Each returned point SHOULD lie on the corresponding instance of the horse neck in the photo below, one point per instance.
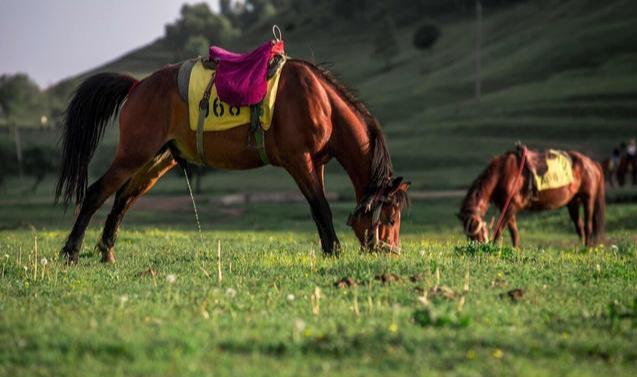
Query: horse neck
(354, 150)
(479, 195)
(357, 141)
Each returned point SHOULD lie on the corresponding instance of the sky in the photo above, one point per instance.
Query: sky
(53, 39)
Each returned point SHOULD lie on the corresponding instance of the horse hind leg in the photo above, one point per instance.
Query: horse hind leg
(97, 193)
(140, 183)
(127, 161)
(574, 212)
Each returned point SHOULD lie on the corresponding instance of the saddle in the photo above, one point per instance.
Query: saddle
(241, 79)
(238, 80)
(548, 170)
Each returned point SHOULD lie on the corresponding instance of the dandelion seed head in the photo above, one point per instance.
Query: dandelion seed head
(44, 261)
(171, 278)
(299, 324)
(291, 297)
(231, 292)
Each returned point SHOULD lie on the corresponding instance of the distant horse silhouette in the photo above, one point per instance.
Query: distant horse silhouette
(497, 183)
(627, 166)
(617, 172)
(316, 119)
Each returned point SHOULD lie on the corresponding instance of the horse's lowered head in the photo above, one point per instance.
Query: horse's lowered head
(376, 218)
(475, 228)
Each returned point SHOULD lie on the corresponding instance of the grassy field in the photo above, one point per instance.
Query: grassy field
(556, 74)
(277, 311)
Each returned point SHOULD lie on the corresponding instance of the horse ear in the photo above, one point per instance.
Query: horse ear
(396, 182)
(404, 186)
(398, 185)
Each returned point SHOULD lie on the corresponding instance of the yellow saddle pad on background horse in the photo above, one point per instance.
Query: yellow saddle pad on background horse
(222, 116)
(559, 171)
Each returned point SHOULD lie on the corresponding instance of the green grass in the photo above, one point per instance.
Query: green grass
(577, 315)
(556, 74)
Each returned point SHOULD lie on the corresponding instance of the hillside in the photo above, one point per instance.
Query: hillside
(555, 74)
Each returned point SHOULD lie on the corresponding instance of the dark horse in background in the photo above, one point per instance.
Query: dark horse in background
(617, 172)
(498, 182)
(316, 119)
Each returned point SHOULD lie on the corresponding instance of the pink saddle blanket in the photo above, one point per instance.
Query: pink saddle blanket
(241, 79)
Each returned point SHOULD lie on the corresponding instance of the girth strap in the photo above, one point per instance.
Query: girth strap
(258, 132)
(204, 109)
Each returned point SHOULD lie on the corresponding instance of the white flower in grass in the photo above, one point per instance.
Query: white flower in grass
(299, 325)
(44, 261)
(291, 297)
(614, 248)
(231, 292)
(171, 278)
(123, 299)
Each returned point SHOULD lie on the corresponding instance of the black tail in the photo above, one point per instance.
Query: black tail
(600, 208)
(90, 110)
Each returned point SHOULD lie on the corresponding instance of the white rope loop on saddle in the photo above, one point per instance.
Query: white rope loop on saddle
(278, 35)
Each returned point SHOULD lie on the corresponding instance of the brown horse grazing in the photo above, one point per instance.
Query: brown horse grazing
(497, 183)
(316, 119)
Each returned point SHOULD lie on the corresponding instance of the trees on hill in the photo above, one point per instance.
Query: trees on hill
(426, 36)
(20, 98)
(198, 21)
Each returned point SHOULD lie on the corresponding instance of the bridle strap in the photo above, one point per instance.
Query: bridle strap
(481, 224)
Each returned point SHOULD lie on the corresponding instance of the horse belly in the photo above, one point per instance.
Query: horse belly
(551, 199)
(222, 149)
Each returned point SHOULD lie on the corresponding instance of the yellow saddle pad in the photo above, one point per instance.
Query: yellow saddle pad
(222, 116)
(559, 171)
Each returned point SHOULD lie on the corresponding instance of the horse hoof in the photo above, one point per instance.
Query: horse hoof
(107, 252)
(69, 256)
(71, 259)
(108, 257)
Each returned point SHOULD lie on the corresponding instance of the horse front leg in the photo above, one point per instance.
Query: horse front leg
(505, 220)
(309, 178)
(574, 213)
(513, 230)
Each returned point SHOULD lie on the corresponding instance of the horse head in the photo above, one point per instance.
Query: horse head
(376, 218)
(475, 228)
